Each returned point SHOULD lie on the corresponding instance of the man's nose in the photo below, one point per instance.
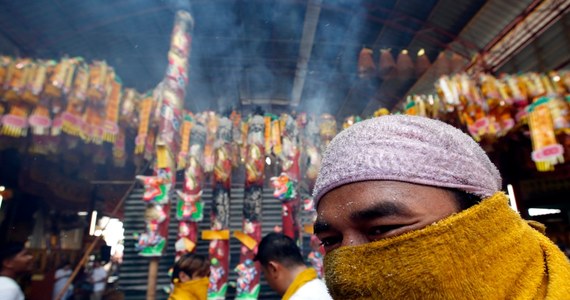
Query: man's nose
(353, 239)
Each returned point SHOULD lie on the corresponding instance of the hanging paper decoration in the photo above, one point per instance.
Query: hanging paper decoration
(422, 63)
(219, 248)
(5, 63)
(119, 152)
(144, 121)
(190, 208)
(15, 121)
(441, 65)
(72, 121)
(128, 115)
(251, 225)
(387, 65)
(101, 80)
(185, 140)
(457, 63)
(111, 121)
(546, 151)
(212, 128)
(366, 66)
(404, 65)
(40, 120)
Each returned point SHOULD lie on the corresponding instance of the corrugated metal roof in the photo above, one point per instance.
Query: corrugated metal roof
(549, 51)
(489, 21)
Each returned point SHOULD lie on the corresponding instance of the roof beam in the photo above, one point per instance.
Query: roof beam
(532, 22)
(307, 41)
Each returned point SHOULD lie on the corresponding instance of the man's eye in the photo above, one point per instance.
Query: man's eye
(378, 232)
(330, 242)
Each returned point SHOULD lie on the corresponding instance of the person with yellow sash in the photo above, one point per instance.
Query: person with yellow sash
(411, 208)
(190, 276)
(285, 271)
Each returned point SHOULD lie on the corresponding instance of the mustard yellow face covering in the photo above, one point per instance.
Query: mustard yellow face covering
(484, 252)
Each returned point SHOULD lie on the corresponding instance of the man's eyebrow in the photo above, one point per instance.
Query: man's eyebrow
(380, 210)
(320, 226)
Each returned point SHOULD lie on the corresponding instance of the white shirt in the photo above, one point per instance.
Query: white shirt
(61, 277)
(9, 289)
(98, 276)
(312, 290)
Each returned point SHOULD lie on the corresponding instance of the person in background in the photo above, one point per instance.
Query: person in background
(411, 208)
(98, 278)
(15, 261)
(61, 276)
(285, 270)
(190, 278)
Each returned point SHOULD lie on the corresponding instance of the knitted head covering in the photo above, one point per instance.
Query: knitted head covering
(408, 149)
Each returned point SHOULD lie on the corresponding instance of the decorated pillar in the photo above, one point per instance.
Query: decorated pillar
(248, 272)
(312, 163)
(190, 208)
(286, 185)
(158, 188)
(219, 249)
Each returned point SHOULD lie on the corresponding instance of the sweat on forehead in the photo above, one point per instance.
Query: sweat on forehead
(408, 149)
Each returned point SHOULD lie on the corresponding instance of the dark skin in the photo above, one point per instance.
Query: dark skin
(17, 265)
(279, 276)
(363, 212)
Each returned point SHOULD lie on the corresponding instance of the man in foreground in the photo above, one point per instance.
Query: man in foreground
(411, 208)
(15, 261)
(285, 270)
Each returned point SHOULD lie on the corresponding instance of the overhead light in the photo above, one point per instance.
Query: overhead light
(2, 188)
(93, 222)
(82, 213)
(556, 78)
(512, 199)
(405, 51)
(542, 211)
(421, 52)
(268, 161)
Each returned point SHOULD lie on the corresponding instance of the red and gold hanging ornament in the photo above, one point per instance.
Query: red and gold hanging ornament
(128, 117)
(547, 152)
(186, 130)
(145, 110)
(72, 118)
(111, 122)
(15, 121)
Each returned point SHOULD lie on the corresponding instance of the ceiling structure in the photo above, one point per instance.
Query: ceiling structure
(281, 55)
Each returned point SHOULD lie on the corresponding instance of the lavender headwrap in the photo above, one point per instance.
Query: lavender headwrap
(408, 149)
